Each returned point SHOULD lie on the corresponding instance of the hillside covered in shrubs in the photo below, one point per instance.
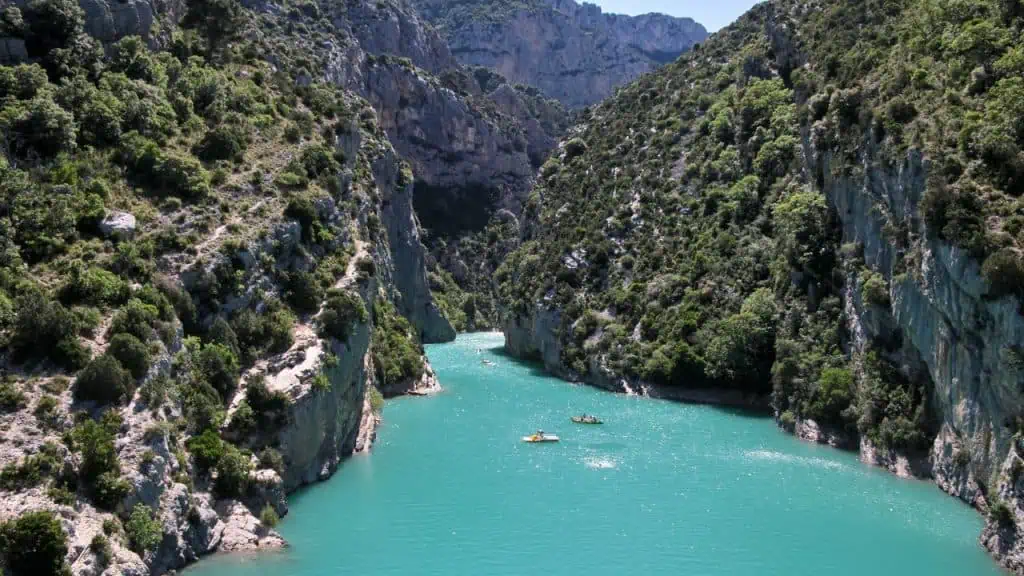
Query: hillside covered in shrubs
(820, 205)
(193, 223)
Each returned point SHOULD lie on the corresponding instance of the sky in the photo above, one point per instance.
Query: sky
(712, 14)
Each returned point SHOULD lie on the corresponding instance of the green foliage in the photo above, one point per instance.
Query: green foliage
(100, 469)
(43, 326)
(105, 381)
(342, 309)
(100, 547)
(34, 543)
(1000, 513)
(232, 479)
(219, 366)
(874, 290)
(376, 399)
(143, 530)
(1004, 272)
(268, 516)
(397, 354)
(206, 449)
(131, 353)
(96, 287)
(12, 398)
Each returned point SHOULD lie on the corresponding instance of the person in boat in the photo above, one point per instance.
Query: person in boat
(539, 434)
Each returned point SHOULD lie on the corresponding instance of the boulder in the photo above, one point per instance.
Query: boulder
(118, 225)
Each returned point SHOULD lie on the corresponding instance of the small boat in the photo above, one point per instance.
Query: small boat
(586, 419)
(487, 362)
(539, 437)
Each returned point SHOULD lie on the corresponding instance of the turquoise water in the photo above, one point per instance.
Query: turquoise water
(660, 488)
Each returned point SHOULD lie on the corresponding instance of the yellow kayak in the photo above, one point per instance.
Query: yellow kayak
(537, 438)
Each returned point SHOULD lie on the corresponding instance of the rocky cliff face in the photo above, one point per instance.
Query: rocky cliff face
(572, 52)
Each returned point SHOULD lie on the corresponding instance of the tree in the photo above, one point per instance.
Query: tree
(143, 530)
(131, 353)
(52, 24)
(34, 543)
(218, 20)
(104, 380)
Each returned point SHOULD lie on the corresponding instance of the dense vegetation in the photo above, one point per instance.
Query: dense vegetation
(683, 234)
(215, 152)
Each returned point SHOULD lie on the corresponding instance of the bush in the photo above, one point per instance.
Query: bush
(39, 127)
(34, 543)
(105, 381)
(131, 353)
(11, 398)
(45, 327)
(100, 547)
(136, 318)
(1004, 272)
(1001, 514)
(304, 292)
(272, 459)
(219, 366)
(268, 516)
(100, 469)
(96, 287)
(269, 408)
(342, 309)
(226, 141)
(143, 530)
(376, 399)
(232, 473)
(206, 449)
(873, 289)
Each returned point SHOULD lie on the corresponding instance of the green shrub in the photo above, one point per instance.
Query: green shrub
(395, 349)
(143, 530)
(272, 459)
(1004, 273)
(268, 516)
(131, 353)
(100, 469)
(873, 289)
(96, 287)
(376, 399)
(232, 478)
(105, 381)
(1001, 514)
(341, 310)
(787, 420)
(206, 449)
(34, 543)
(45, 327)
(269, 408)
(219, 366)
(304, 292)
(46, 411)
(226, 141)
(136, 318)
(12, 399)
(100, 547)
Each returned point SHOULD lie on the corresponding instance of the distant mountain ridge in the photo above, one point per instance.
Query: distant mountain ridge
(573, 52)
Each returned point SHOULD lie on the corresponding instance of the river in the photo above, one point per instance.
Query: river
(660, 488)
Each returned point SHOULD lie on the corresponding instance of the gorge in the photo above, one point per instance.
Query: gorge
(229, 228)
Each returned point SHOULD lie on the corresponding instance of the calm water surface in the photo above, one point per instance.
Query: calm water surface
(660, 488)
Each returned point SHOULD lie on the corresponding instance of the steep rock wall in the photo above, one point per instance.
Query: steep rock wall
(572, 52)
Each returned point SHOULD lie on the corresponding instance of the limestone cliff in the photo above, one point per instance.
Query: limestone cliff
(572, 52)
